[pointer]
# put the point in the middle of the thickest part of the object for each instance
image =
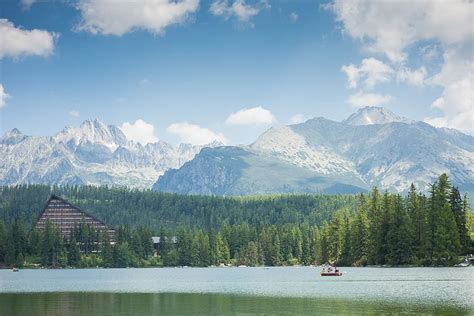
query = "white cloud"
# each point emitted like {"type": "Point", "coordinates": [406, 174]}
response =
{"type": "Point", "coordinates": [16, 42]}
{"type": "Point", "coordinates": [111, 17]}
{"type": "Point", "coordinates": [3, 96]}
{"type": "Point", "coordinates": [195, 134]}
{"type": "Point", "coordinates": [239, 9]}
{"type": "Point", "coordinates": [26, 4]}
{"type": "Point", "coordinates": [361, 99]}
{"type": "Point", "coordinates": [390, 28]}
{"type": "Point", "coordinates": [461, 116]}
{"type": "Point", "coordinates": [293, 17]}
{"type": "Point", "coordinates": [74, 113]}
{"type": "Point", "coordinates": [413, 77]}
{"type": "Point", "coordinates": [252, 116]}
{"type": "Point", "coordinates": [372, 71]}
{"type": "Point", "coordinates": [140, 131]}
{"type": "Point", "coordinates": [297, 118]}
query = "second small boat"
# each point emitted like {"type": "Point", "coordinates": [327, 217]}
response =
{"type": "Point", "coordinates": [330, 271]}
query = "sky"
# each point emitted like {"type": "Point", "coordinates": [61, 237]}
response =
{"type": "Point", "coordinates": [197, 71]}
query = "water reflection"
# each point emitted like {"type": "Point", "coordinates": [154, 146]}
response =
{"type": "Point", "coordinates": [199, 304]}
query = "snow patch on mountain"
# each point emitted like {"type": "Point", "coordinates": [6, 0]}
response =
{"type": "Point", "coordinates": [374, 115]}
{"type": "Point", "coordinates": [287, 145]}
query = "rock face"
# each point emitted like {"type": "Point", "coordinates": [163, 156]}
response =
{"type": "Point", "coordinates": [93, 153]}
{"type": "Point", "coordinates": [242, 171]}
{"type": "Point", "coordinates": [373, 147]}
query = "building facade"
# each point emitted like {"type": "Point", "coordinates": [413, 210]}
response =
{"type": "Point", "coordinates": [66, 217]}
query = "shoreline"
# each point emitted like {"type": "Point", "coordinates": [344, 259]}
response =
{"type": "Point", "coordinates": [229, 266]}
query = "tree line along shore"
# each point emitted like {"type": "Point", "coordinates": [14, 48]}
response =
{"type": "Point", "coordinates": [378, 228]}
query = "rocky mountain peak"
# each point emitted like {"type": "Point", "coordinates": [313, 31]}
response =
{"type": "Point", "coordinates": [371, 115]}
{"type": "Point", "coordinates": [12, 137]}
{"type": "Point", "coordinates": [95, 132]}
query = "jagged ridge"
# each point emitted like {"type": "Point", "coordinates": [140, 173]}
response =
{"type": "Point", "coordinates": [93, 153]}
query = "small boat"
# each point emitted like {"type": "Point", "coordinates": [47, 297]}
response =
{"type": "Point", "coordinates": [15, 269]}
{"type": "Point", "coordinates": [330, 271]}
{"type": "Point", "coordinates": [465, 263]}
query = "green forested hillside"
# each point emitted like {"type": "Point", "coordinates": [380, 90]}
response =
{"type": "Point", "coordinates": [122, 206]}
{"type": "Point", "coordinates": [368, 229]}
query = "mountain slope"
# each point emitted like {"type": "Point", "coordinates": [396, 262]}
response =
{"type": "Point", "coordinates": [373, 147]}
{"type": "Point", "coordinates": [93, 153]}
{"type": "Point", "coordinates": [242, 171]}
{"type": "Point", "coordinates": [393, 155]}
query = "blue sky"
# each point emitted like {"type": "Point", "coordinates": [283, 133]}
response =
{"type": "Point", "coordinates": [228, 70]}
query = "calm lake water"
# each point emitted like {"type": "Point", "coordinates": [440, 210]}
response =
{"type": "Point", "coordinates": [239, 291]}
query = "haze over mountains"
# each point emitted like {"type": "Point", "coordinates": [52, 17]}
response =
{"type": "Point", "coordinates": [371, 147]}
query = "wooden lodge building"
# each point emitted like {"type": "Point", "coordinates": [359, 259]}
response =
{"type": "Point", "coordinates": [66, 217]}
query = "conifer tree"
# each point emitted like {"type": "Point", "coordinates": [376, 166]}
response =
{"type": "Point", "coordinates": [106, 251]}
{"type": "Point", "coordinates": [223, 249]}
{"type": "Point", "coordinates": [375, 221]}
{"type": "Point", "coordinates": [346, 258]}
{"type": "Point", "coordinates": [74, 255]}
{"type": "Point", "coordinates": [459, 208]}
{"type": "Point", "coordinates": [360, 234]}
{"type": "Point", "coordinates": [400, 235]}
{"type": "Point", "coordinates": [446, 244]}
{"type": "Point", "coordinates": [276, 252]}
{"type": "Point", "coordinates": [10, 258]}
{"type": "Point", "coordinates": [184, 246]}
{"type": "Point", "coordinates": [3, 241]}
{"type": "Point", "coordinates": [204, 249]}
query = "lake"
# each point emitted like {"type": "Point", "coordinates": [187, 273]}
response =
{"type": "Point", "coordinates": [239, 291]}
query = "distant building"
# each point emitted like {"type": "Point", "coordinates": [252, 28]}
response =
{"type": "Point", "coordinates": [157, 240]}
{"type": "Point", "coordinates": [66, 216]}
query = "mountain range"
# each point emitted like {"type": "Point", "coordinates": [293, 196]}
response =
{"type": "Point", "coordinates": [93, 153]}
{"type": "Point", "coordinates": [372, 147]}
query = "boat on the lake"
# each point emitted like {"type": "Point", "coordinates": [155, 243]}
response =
{"type": "Point", "coordinates": [15, 269]}
{"type": "Point", "coordinates": [329, 270]}
{"type": "Point", "coordinates": [466, 262]}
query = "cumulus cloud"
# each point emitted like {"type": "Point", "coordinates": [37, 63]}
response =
{"type": "Point", "coordinates": [16, 42]}
{"type": "Point", "coordinates": [3, 96]}
{"type": "Point", "coordinates": [456, 103]}
{"type": "Point", "coordinates": [140, 131]}
{"type": "Point", "coordinates": [371, 71]}
{"type": "Point", "coordinates": [297, 118]}
{"type": "Point", "coordinates": [413, 77]}
{"type": "Point", "coordinates": [361, 99]}
{"type": "Point", "coordinates": [390, 28]}
{"type": "Point", "coordinates": [195, 134]}
{"type": "Point", "coordinates": [252, 116]}
{"type": "Point", "coordinates": [238, 9]}
{"type": "Point", "coordinates": [74, 113]}
{"type": "Point", "coordinates": [111, 17]}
